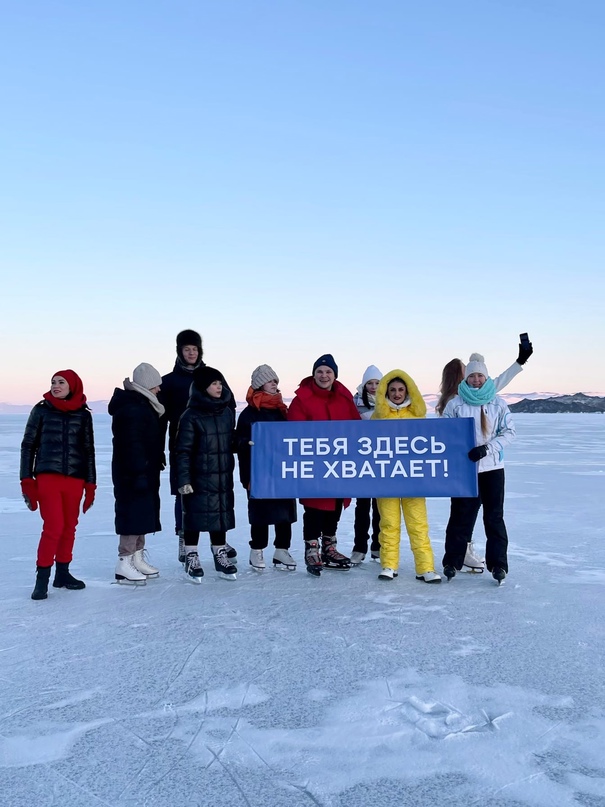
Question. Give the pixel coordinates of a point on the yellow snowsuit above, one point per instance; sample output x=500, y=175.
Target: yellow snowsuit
x=414, y=510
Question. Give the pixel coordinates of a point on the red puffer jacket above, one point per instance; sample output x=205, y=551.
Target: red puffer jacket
x=310, y=402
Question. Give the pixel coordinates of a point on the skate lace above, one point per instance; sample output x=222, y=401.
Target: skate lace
x=331, y=552
x=221, y=557
x=193, y=561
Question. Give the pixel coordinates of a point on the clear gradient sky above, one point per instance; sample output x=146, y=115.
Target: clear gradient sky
x=395, y=182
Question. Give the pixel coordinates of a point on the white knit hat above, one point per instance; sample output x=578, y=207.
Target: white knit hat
x=371, y=372
x=476, y=364
x=262, y=375
x=146, y=376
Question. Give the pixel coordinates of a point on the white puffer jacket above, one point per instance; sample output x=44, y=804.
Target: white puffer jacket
x=501, y=433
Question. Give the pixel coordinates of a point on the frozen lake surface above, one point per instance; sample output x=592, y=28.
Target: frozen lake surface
x=283, y=690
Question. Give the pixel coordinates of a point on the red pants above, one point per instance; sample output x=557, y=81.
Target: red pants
x=59, y=497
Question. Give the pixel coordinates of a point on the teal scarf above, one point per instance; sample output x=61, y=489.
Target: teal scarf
x=477, y=397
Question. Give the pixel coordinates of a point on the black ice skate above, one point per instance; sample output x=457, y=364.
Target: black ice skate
x=331, y=558
x=222, y=564
x=313, y=558
x=449, y=572
x=499, y=575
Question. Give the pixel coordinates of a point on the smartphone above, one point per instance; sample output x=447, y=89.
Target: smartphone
x=524, y=339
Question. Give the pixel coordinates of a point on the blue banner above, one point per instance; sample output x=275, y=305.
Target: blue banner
x=363, y=459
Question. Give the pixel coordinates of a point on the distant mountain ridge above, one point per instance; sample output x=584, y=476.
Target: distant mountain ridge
x=577, y=403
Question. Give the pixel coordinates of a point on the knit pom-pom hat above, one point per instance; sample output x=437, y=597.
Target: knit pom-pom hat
x=476, y=364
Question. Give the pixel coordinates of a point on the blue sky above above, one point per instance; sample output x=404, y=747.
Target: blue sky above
x=396, y=183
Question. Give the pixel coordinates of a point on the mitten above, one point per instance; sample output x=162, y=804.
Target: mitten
x=89, y=496
x=477, y=453
x=524, y=353
x=29, y=489
x=185, y=490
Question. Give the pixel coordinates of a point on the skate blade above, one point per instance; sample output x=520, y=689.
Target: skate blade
x=338, y=568
x=152, y=576
x=277, y=564
x=227, y=576
x=122, y=581
x=195, y=580
x=259, y=569
x=315, y=571
x=472, y=570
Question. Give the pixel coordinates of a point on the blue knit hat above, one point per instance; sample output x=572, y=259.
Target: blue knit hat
x=327, y=360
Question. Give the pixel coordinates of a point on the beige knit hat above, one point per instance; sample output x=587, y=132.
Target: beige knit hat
x=146, y=376
x=262, y=375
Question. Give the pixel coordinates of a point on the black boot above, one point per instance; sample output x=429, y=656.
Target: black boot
x=40, y=591
x=63, y=578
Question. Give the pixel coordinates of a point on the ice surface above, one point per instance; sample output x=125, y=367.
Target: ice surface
x=285, y=690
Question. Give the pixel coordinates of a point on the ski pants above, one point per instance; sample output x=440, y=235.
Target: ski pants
x=59, y=497
x=463, y=515
x=417, y=526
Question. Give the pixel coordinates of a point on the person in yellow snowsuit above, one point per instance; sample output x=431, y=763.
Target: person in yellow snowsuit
x=397, y=397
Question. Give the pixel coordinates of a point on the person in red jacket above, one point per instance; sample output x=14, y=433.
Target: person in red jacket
x=57, y=468
x=321, y=397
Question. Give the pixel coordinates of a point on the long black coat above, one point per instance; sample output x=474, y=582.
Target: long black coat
x=203, y=454
x=174, y=395
x=57, y=442
x=136, y=463
x=260, y=511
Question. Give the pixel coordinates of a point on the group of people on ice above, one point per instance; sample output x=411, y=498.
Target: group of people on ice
x=195, y=405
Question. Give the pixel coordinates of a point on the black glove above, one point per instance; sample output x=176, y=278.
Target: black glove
x=477, y=453
x=524, y=353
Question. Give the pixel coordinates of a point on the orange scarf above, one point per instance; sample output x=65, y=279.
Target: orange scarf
x=262, y=400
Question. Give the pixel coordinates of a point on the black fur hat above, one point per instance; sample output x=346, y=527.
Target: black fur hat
x=189, y=337
x=204, y=376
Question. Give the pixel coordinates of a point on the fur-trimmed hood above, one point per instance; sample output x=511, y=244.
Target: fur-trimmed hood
x=417, y=407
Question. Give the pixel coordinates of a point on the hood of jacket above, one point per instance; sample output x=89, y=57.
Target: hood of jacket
x=309, y=389
x=121, y=398
x=201, y=400
x=417, y=407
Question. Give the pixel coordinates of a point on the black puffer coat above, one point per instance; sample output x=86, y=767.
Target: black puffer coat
x=260, y=511
x=174, y=395
x=136, y=463
x=57, y=442
x=203, y=453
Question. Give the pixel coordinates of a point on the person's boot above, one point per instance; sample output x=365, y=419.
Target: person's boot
x=64, y=579
x=40, y=591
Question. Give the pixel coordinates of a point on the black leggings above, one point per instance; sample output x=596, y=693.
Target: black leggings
x=192, y=538
x=259, y=535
